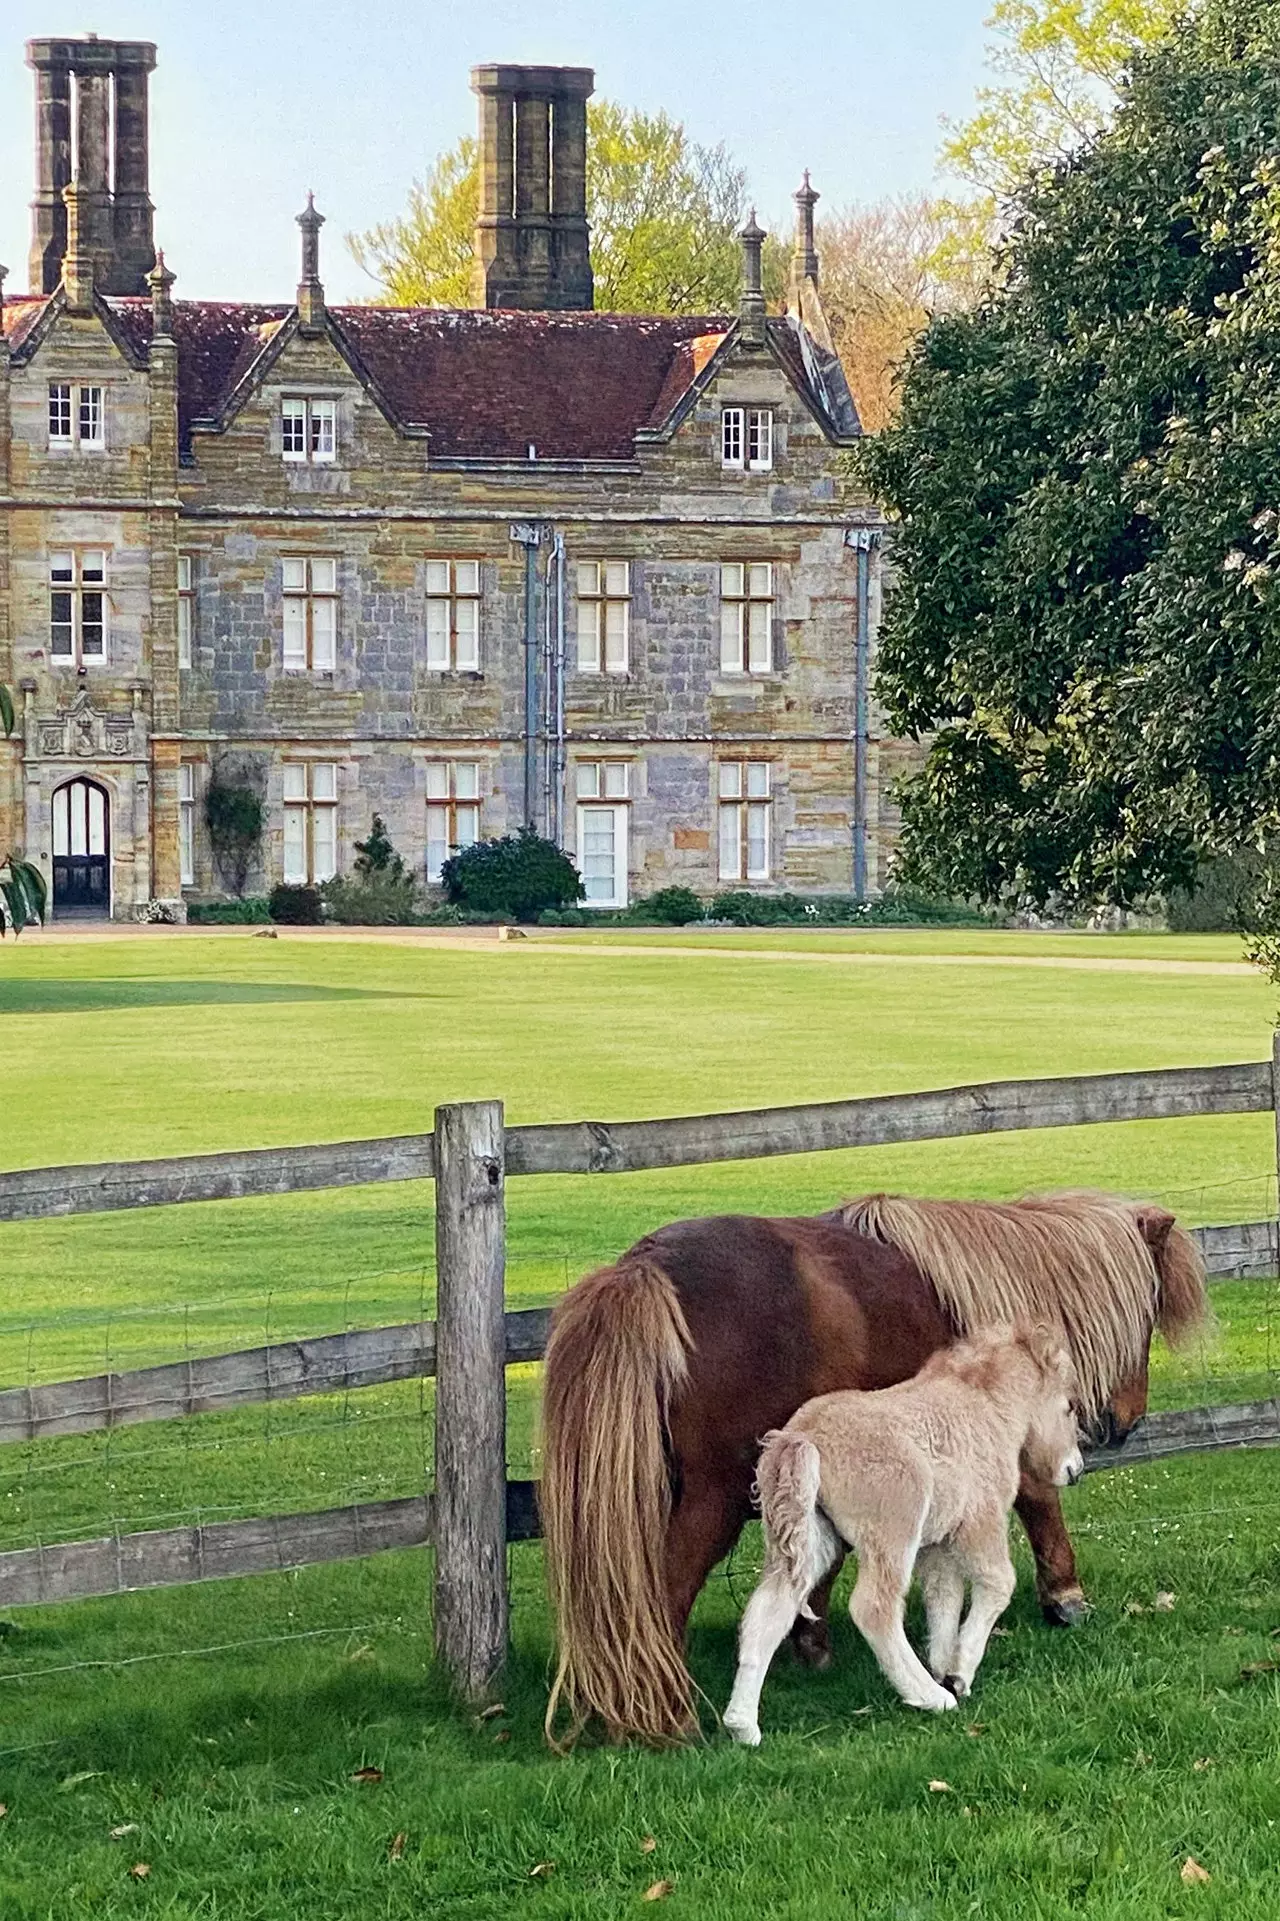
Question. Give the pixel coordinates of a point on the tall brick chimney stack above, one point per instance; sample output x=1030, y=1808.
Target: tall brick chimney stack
x=533, y=246
x=113, y=206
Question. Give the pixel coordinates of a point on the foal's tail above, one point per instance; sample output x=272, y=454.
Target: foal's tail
x=618, y=1350
x=796, y=1536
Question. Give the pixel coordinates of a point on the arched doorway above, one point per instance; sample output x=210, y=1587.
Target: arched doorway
x=81, y=849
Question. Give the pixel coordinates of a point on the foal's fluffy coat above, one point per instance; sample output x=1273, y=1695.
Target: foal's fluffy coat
x=922, y=1476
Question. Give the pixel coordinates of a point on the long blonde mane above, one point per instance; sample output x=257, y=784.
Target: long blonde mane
x=1078, y=1262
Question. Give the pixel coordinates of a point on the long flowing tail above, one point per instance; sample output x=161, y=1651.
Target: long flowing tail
x=796, y=1537
x=618, y=1350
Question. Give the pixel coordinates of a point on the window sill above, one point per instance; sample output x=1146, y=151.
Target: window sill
x=456, y=673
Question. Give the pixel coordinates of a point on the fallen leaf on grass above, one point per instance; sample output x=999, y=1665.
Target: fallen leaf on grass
x=1259, y=1667
x=1205, y=1761
x=126, y=1827
x=487, y=1714
x=503, y=1734
x=648, y=1845
x=1192, y=1873
x=939, y=1787
x=397, y=1846
x=367, y=1774
x=1165, y=1602
x=77, y=1780
x=140, y=1870
x=658, y=1891
x=3, y=1810
x=1134, y=1607
x=541, y=1869
x=975, y=1728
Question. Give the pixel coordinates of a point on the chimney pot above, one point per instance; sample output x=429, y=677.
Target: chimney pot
x=804, y=261
x=532, y=239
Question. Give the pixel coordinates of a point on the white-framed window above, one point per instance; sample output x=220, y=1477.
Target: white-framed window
x=744, y=819
x=604, y=616
x=746, y=438
x=78, y=606
x=187, y=824
x=186, y=609
x=453, y=616
x=308, y=429
x=310, y=821
x=310, y=612
x=453, y=811
x=77, y=416
x=746, y=617
x=602, y=788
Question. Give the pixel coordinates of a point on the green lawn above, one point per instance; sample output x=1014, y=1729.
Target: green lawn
x=1081, y=1792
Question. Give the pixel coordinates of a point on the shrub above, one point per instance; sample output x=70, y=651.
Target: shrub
x=382, y=893
x=295, y=906
x=515, y=878
x=228, y=913
x=1221, y=900
x=233, y=814
x=669, y=907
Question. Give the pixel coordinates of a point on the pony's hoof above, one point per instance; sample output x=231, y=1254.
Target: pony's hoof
x=1066, y=1611
x=813, y=1653
x=958, y=1686
x=745, y=1733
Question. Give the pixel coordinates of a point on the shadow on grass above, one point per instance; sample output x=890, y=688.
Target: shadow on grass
x=89, y=997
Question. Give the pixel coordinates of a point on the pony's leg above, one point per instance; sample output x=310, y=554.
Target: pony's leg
x=1062, y=1599
x=704, y=1525
x=990, y=1570
x=941, y=1581
x=877, y=1604
x=769, y=1614
x=812, y=1639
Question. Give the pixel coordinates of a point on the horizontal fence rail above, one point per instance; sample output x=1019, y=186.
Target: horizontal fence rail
x=222, y=1550
x=622, y=1147
x=378, y=1356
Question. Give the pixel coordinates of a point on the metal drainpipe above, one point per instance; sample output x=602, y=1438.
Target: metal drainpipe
x=558, y=793
x=864, y=540
x=528, y=534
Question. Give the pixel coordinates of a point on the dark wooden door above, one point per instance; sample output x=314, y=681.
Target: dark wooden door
x=81, y=849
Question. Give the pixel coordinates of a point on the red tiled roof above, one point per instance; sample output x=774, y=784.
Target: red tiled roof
x=485, y=385
x=489, y=384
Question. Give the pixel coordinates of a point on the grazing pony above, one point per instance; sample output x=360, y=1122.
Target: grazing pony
x=921, y=1476
x=663, y=1371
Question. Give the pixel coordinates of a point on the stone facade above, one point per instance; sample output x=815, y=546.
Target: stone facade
x=430, y=438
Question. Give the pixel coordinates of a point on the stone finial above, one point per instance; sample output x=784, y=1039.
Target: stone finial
x=160, y=281
x=751, y=309
x=804, y=261
x=310, y=290
x=77, y=262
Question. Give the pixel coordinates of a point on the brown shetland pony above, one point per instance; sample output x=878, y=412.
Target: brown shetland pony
x=663, y=1371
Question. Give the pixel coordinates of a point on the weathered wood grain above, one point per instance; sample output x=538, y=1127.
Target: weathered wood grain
x=174, y=1557
x=40, y=1192
x=1247, y=1250
x=1193, y=1430
x=617, y=1147
x=471, y=1395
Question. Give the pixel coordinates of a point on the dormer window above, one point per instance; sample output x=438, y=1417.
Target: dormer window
x=308, y=429
x=76, y=417
x=746, y=438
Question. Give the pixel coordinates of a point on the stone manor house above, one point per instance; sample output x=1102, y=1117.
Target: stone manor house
x=601, y=573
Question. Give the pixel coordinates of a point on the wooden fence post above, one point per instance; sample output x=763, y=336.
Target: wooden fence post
x=471, y=1395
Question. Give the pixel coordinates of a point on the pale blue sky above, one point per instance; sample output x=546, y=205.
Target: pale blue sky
x=253, y=102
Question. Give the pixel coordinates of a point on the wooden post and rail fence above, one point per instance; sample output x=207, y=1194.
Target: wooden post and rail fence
x=474, y=1511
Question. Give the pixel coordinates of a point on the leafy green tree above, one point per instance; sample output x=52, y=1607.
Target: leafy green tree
x=1087, y=474
x=664, y=214
x=1060, y=66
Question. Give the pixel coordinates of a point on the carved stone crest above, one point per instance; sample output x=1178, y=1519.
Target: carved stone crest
x=80, y=730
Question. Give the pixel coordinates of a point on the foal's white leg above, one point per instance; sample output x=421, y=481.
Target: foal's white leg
x=993, y=1580
x=770, y=1615
x=877, y=1605
x=941, y=1581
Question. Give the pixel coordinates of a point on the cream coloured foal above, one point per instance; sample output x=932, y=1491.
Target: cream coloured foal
x=920, y=1476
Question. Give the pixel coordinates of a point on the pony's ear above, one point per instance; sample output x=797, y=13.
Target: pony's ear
x=1047, y=1348
x=1153, y=1225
